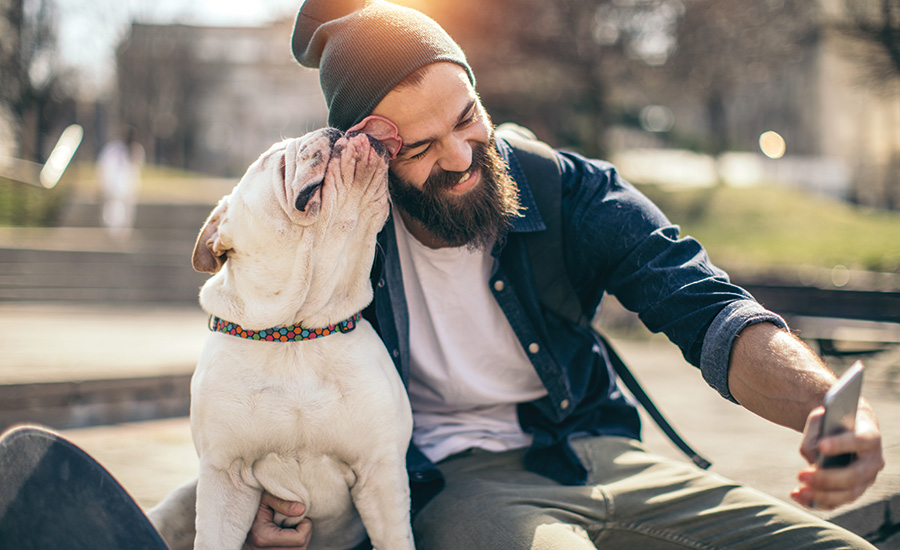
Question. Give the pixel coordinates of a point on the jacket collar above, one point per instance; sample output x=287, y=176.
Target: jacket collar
x=531, y=219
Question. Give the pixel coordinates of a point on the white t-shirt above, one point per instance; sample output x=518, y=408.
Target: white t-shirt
x=468, y=370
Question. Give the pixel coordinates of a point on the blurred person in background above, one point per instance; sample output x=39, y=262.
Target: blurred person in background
x=119, y=163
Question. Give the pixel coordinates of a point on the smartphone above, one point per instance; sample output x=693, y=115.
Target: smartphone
x=840, y=403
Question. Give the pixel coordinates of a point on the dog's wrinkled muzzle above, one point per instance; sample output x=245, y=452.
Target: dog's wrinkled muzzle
x=383, y=136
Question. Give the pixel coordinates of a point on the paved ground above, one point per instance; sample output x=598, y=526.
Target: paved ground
x=43, y=343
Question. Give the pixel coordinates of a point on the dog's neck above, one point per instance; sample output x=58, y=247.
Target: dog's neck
x=289, y=292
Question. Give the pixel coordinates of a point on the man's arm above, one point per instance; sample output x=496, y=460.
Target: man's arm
x=776, y=376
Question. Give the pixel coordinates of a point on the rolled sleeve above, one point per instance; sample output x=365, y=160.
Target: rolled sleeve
x=716, y=354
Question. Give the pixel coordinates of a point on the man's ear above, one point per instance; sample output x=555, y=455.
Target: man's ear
x=209, y=251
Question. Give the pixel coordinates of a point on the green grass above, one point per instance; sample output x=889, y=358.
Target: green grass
x=742, y=228
x=158, y=184
x=27, y=205
x=766, y=226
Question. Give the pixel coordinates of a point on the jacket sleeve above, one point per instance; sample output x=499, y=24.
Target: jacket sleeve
x=621, y=243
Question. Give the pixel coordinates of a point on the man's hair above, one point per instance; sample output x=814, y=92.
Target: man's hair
x=364, y=49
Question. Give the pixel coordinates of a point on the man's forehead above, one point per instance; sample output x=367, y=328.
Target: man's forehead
x=435, y=101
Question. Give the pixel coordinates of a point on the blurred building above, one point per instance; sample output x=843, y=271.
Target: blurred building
x=833, y=116
x=212, y=99
x=840, y=126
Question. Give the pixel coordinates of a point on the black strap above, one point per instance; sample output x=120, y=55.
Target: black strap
x=539, y=163
x=638, y=392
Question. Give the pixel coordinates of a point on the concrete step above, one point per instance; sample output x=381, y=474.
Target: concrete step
x=110, y=276
x=147, y=216
x=75, y=365
x=79, y=404
x=88, y=264
x=82, y=262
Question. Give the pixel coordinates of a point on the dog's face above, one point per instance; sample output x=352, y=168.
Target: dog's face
x=295, y=240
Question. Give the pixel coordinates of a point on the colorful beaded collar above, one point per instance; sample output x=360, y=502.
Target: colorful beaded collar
x=292, y=333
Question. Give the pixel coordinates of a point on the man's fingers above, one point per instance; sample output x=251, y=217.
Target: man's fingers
x=864, y=443
x=265, y=534
x=284, y=507
x=828, y=488
x=809, y=444
x=822, y=500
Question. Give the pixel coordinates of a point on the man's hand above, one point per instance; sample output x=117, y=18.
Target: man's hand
x=828, y=488
x=265, y=533
x=778, y=377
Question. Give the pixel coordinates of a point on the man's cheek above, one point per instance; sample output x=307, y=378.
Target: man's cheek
x=410, y=176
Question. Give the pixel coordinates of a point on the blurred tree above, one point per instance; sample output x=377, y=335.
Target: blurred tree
x=722, y=45
x=553, y=66
x=37, y=87
x=873, y=27
x=10, y=77
x=35, y=103
x=158, y=89
x=544, y=65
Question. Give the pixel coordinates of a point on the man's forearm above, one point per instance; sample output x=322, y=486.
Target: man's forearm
x=775, y=375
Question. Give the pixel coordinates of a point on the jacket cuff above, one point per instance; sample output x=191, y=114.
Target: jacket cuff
x=717, y=345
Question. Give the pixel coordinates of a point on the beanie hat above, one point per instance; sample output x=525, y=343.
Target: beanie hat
x=364, y=48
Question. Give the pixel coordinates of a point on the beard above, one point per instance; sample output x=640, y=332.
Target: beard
x=477, y=218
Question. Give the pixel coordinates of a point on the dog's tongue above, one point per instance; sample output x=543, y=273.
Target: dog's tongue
x=381, y=129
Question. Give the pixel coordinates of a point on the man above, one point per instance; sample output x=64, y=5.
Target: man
x=522, y=438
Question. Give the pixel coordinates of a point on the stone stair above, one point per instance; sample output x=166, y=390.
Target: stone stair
x=81, y=262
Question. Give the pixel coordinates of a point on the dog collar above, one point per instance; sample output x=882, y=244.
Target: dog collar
x=292, y=333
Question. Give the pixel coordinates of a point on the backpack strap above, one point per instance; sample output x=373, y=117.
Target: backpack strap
x=541, y=167
x=539, y=163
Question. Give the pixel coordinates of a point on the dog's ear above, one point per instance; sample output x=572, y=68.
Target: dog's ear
x=209, y=251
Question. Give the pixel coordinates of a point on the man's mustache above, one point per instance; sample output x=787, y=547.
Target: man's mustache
x=445, y=179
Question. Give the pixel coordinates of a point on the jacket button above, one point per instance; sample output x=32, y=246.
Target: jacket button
x=396, y=353
x=564, y=404
x=498, y=286
x=533, y=348
x=380, y=283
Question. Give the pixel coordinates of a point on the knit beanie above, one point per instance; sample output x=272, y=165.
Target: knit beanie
x=364, y=48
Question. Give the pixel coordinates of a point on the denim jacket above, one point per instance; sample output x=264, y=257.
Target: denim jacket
x=615, y=241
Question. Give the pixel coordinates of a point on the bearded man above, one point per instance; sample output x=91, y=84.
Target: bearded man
x=522, y=438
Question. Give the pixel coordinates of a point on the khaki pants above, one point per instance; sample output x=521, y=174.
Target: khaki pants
x=633, y=500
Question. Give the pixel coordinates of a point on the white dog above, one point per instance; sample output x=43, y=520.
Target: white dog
x=325, y=420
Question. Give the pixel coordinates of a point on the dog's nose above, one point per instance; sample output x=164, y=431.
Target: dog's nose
x=306, y=194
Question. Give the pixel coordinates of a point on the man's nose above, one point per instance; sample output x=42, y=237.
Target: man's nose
x=457, y=156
